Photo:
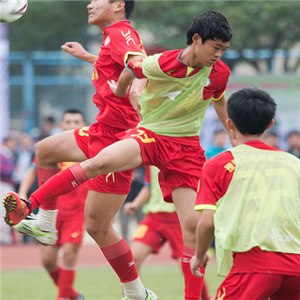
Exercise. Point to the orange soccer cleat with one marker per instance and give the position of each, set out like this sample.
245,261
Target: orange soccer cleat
16,208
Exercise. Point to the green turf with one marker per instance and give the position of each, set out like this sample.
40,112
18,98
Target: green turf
98,283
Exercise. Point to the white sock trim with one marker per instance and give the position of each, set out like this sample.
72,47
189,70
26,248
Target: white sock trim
134,290
46,219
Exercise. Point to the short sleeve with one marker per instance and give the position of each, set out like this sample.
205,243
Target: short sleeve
125,44
136,68
214,182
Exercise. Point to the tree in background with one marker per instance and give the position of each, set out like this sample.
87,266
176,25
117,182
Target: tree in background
258,24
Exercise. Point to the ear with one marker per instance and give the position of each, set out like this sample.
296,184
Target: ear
271,124
119,6
196,39
230,124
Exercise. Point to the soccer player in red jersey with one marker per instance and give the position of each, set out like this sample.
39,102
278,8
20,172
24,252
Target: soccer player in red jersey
172,109
249,198
121,44
69,224
160,225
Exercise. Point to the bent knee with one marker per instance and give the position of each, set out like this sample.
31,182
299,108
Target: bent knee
97,230
43,151
49,264
69,258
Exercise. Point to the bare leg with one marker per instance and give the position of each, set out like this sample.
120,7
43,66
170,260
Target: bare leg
58,148
101,209
140,252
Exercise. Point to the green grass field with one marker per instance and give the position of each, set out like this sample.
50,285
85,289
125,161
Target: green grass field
99,283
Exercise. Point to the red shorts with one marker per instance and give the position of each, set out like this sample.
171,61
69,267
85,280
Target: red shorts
99,138
259,286
180,160
70,230
157,228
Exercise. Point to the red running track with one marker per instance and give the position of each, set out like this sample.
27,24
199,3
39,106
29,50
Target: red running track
27,256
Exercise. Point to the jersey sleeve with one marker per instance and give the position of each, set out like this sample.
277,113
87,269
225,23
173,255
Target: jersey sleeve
136,68
125,44
219,78
216,176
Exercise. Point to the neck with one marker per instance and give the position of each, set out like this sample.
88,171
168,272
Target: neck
111,22
189,59
238,138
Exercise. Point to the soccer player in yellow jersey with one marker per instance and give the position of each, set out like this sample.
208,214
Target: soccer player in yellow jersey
249,199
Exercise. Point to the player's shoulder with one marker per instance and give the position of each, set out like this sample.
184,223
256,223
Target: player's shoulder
169,57
120,27
220,67
219,161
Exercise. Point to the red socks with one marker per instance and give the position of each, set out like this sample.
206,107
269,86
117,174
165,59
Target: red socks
59,184
64,280
205,295
55,275
193,284
43,176
120,257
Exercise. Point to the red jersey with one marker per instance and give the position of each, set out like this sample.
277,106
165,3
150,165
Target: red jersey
215,179
119,41
171,65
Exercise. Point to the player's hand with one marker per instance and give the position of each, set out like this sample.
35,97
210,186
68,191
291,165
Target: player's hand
75,49
129,208
114,88
196,263
78,51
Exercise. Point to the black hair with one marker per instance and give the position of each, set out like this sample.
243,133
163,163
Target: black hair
129,7
251,110
74,111
50,120
293,132
210,25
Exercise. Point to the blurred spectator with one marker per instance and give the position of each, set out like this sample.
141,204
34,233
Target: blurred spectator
219,143
48,128
271,138
211,123
293,141
25,153
136,185
7,163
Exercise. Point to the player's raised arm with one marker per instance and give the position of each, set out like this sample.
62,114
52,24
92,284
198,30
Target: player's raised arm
78,51
127,76
120,88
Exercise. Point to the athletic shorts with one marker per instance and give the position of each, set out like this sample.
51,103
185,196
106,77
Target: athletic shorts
180,160
259,286
99,138
158,228
70,230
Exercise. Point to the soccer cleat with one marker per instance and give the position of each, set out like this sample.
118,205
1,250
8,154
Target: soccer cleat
16,208
31,227
80,297
149,296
